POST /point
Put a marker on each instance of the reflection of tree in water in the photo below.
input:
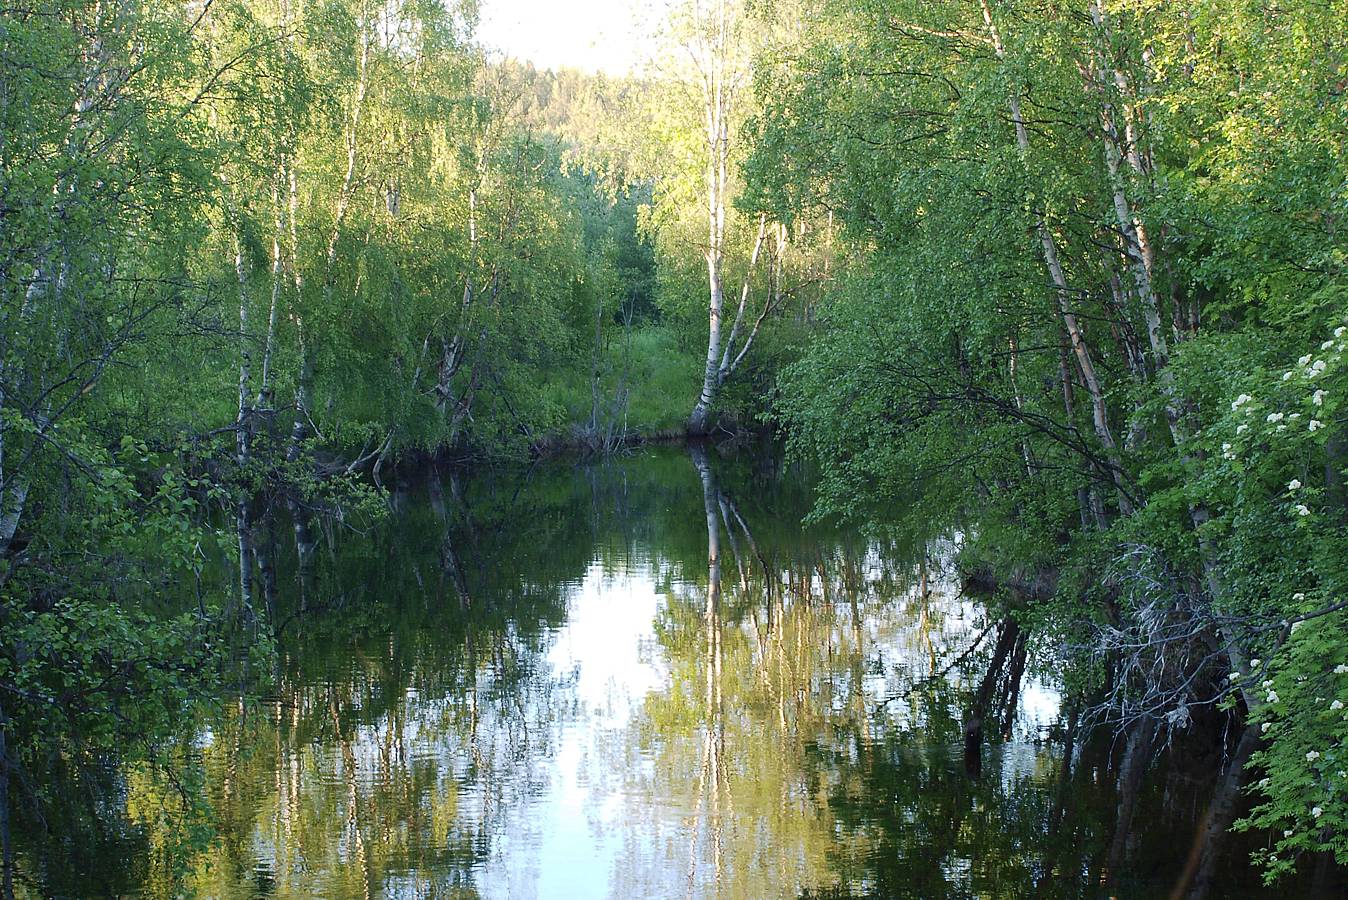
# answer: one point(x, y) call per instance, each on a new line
point(841, 724)
point(775, 647)
point(408, 704)
point(711, 777)
point(812, 739)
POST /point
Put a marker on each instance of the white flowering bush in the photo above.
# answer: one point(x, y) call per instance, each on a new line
point(1302, 794)
point(1278, 531)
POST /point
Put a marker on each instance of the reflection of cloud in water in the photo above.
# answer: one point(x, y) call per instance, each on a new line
point(1040, 705)
point(567, 838)
point(607, 641)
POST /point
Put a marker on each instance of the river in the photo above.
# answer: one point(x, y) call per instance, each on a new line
point(641, 677)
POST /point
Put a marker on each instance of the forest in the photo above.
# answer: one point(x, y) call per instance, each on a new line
point(1060, 286)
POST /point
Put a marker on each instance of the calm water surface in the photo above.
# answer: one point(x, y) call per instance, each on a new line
point(644, 678)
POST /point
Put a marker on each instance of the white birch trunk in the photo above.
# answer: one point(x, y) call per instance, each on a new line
point(1137, 245)
point(717, 104)
point(1099, 411)
point(451, 357)
point(725, 367)
point(304, 389)
point(94, 87)
point(263, 398)
point(773, 300)
point(242, 421)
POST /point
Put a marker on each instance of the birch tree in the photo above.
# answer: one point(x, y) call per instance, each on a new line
point(715, 40)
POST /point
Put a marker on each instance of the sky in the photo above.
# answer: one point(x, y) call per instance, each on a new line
point(593, 35)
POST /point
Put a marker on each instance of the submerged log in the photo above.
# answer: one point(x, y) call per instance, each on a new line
point(973, 724)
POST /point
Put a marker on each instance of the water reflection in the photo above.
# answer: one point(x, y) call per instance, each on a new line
point(641, 678)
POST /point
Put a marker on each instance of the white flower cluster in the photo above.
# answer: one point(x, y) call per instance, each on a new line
point(1307, 366)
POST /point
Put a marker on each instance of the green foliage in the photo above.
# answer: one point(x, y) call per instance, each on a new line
point(236, 242)
point(1193, 474)
point(1278, 526)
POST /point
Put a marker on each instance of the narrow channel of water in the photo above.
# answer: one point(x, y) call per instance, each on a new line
point(641, 678)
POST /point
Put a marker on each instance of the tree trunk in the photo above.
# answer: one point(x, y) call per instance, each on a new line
point(699, 421)
point(6, 847)
point(263, 398)
point(1137, 245)
point(303, 395)
point(1131, 769)
point(451, 349)
point(1076, 337)
point(304, 388)
point(727, 362)
point(242, 420)
point(973, 723)
point(717, 105)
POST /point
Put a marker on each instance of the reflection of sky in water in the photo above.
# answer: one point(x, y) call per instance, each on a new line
point(566, 841)
point(589, 805)
point(591, 832)
point(609, 641)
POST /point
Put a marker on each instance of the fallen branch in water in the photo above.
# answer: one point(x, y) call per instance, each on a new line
point(936, 676)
